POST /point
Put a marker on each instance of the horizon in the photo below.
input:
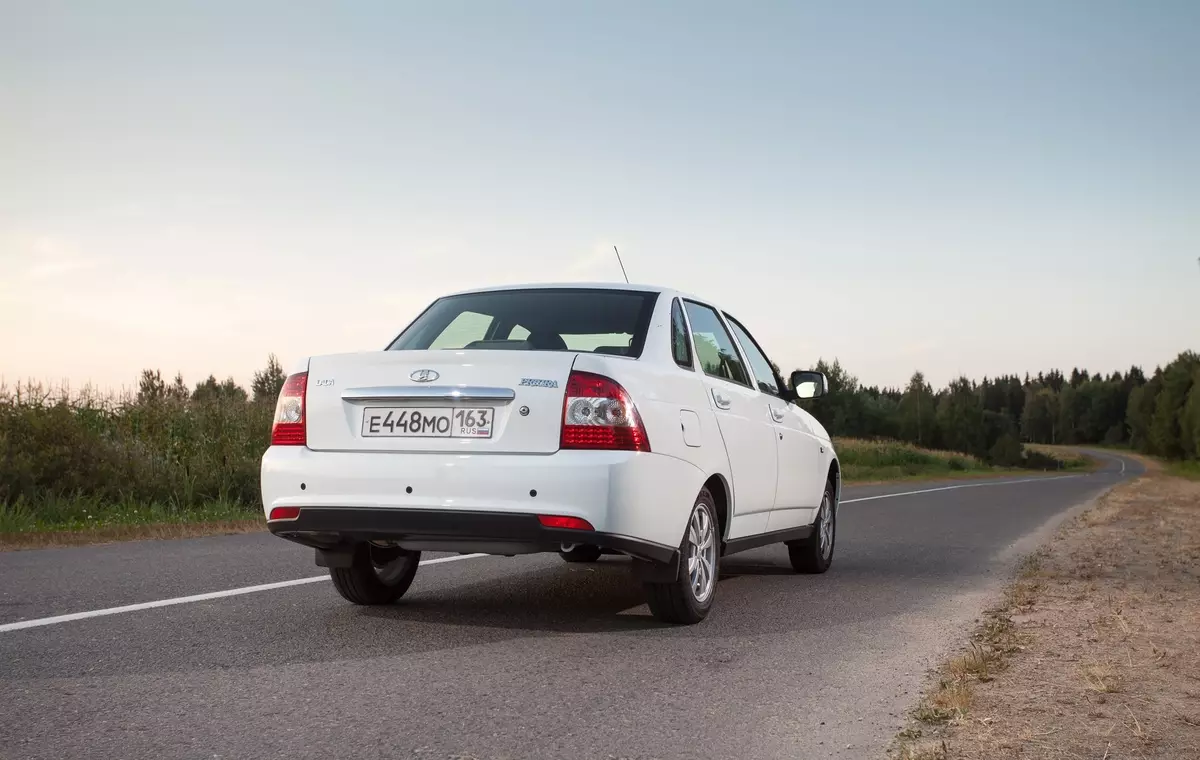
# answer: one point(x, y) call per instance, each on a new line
point(245, 382)
point(963, 191)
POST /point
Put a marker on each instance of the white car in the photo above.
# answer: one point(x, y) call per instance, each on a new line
point(584, 419)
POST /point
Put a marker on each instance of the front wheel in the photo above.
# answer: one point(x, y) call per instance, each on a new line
point(689, 597)
point(377, 575)
point(815, 553)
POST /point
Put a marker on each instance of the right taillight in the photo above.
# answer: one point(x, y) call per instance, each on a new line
point(289, 428)
point(598, 414)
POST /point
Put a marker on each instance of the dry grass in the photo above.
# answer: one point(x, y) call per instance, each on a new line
point(866, 461)
point(1071, 457)
point(111, 533)
point(931, 750)
point(1094, 651)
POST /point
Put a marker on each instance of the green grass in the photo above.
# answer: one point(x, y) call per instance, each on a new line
point(81, 462)
point(867, 461)
point(1189, 469)
point(84, 514)
point(872, 461)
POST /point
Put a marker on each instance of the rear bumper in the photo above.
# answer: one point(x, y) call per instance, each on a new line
point(646, 497)
point(452, 530)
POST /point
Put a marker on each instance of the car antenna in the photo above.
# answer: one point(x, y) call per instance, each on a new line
point(622, 263)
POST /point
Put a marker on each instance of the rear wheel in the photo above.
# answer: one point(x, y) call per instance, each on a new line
point(580, 553)
point(815, 553)
point(689, 597)
point(377, 575)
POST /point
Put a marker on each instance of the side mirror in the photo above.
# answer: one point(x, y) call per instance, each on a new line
point(809, 384)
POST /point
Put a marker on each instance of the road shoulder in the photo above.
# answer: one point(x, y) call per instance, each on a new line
point(1094, 651)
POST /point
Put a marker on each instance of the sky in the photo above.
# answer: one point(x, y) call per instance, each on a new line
point(960, 188)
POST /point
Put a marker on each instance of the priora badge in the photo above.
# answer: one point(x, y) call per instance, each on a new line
point(424, 376)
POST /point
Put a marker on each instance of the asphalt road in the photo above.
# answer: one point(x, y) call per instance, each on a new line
point(526, 657)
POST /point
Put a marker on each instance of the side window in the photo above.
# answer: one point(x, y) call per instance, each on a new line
point(681, 347)
point(714, 347)
point(763, 371)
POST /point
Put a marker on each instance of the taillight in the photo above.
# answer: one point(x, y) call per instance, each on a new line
point(598, 414)
point(289, 429)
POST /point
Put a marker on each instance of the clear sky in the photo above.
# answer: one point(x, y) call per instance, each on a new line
point(958, 187)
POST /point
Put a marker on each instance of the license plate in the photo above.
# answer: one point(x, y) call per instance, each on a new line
point(425, 422)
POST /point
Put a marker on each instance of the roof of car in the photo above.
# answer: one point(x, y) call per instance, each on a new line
point(585, 285)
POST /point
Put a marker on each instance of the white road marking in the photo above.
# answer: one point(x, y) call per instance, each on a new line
point(956, 487)
point(38, 622)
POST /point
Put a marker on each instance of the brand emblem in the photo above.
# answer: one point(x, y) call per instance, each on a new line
point(538, 383)
point(324, 382)
point(424, 376)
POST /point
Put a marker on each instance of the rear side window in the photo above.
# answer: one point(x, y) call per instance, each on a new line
point(763, 371)
point(537, 319)
point(714, 347)
point(681, 347)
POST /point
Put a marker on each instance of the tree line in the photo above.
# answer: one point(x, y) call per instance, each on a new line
point(989, 419)
point(264, 388)
point(992, 418)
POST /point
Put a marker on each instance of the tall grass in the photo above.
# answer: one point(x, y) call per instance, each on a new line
point(1187, 469)
point(869, 460)
point(893, 460)
point(62, 454)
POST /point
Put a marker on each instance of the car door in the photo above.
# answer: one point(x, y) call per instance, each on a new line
point(743, 417)
point(800, 482)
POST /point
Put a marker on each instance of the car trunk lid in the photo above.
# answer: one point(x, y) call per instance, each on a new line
point(437, 401)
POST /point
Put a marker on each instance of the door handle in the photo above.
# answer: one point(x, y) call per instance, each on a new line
point(721, 401)
point(776, 414)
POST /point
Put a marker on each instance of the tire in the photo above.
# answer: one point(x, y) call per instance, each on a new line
point(689, 597)
point(581, 553)
point(815, 553)
point(376, 575)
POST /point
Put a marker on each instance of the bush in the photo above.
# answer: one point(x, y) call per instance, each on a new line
point(1006, 452)
point(161, 450)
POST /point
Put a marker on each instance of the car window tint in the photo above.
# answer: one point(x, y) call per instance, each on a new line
point(604, 321)
point(763, 371)
point(714, 347)
point(681, 347)
point(466, 327)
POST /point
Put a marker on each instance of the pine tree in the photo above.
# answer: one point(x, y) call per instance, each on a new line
point(269, 382)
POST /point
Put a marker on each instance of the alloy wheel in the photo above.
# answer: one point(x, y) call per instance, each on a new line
point(702, 554)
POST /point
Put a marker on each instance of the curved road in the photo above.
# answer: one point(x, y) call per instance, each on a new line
point(508, 658)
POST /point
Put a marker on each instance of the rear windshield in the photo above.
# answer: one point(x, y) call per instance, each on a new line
point(550, 319)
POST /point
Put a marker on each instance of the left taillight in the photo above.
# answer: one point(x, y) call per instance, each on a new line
point(289, 428)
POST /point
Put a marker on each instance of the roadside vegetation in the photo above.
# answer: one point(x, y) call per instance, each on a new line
point(866, 461)
point(1157, 414)
point(114, 466)
point(174, 454)
point(1093, 650)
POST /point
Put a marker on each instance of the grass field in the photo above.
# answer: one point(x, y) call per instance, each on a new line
point(1189, 469)
point(873, 461)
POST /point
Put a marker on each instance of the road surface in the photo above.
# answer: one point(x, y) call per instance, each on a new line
point(490, 657)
